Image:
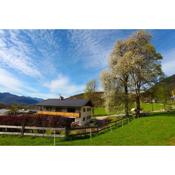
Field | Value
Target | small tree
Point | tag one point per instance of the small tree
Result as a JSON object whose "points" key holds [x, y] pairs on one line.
{"points": [[13, 109], [119, 76], [109, 91], [90, 91], [112, 92]]}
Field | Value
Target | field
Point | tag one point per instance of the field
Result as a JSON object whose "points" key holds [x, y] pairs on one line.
{"points": [[158, 129], [100, 111], [146, 107]]}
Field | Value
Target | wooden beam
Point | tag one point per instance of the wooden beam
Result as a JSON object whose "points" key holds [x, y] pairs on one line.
{"points": [[59, 114]]}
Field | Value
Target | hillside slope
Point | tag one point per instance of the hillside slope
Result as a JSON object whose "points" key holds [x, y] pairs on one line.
{"points": [[97, 101], [154, 130], [170, 81]]}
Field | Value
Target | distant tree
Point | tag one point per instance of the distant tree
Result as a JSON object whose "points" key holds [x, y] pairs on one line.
{"points": [[90, 90], [14, 108], [162, 93], [2, 106]]}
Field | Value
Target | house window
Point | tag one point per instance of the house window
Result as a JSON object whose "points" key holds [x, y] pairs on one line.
{"points": [[70, 110], [48, 108], [58, 110], [84, 109], [83, 118], [88, 109], [88, 117]]}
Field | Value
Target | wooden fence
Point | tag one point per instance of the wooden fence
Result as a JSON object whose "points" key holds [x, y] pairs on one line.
{"points": [[60, 132], [89, 131], [32, 131]]}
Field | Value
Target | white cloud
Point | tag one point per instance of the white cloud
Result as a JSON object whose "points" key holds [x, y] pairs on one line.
{"points": [[14, 54], [89, 48], [62, 85], [9, 83]]}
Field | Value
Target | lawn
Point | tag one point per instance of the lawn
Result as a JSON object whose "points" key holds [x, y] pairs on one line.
{"points": [[158, 129], [100, 111], [147, 107]]}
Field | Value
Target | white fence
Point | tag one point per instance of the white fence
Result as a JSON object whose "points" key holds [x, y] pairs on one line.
{"points": [[32, 131]]}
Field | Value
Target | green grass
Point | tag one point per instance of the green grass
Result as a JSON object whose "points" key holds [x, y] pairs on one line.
{"points": [[147, 107], [158, 129], [100, 111], [25, 141]]}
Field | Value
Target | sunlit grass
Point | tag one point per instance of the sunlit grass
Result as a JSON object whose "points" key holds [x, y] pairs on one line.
{"points": [[157, 129]]}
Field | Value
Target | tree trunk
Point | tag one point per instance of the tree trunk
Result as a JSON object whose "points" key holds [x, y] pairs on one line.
{"points": [[138, 105], [126, 101]]}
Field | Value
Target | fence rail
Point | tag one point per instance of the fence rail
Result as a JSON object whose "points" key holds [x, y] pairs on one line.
{"points": [[60, 132], [31, 131], [89, 131]]}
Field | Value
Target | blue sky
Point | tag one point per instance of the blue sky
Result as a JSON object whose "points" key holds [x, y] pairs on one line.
{"points": [[46, 63]]}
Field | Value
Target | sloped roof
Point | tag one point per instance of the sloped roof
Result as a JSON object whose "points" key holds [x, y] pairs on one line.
{"points": [[65, 103]]}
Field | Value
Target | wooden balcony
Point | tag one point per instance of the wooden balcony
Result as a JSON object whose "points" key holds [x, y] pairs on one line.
{"points": [[59, 114]]}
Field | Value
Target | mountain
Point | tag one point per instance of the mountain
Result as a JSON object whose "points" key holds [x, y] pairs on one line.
{"points": [[165, 87], [169, 81], [8, 98]]}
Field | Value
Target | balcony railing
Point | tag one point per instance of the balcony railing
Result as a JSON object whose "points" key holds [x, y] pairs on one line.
{"points": [[63, 114]]}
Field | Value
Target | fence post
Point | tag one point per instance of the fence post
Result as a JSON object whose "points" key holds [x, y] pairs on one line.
{"points": [[90, 133], [111, 127], [67, 132], [22, 129], [97, 131], [54, 137]]}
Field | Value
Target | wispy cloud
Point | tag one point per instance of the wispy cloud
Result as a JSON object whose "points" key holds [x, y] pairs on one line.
{"points": [[11, 83], [14, 54], [8, 82], [168, 63], [89, 48], [63, 85], [46, 44]]}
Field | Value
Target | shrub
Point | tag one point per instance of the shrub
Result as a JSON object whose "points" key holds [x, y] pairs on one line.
{"points": [[35, 120]]}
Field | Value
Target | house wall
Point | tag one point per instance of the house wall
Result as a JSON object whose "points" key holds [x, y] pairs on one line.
{"points": [[86, 114]]}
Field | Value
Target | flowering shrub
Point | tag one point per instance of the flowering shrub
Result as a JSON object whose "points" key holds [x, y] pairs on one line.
{"points": [[35, 120]]}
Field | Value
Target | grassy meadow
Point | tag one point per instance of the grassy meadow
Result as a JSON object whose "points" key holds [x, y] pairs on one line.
{"points": [[146, 107], [157, 129]]}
